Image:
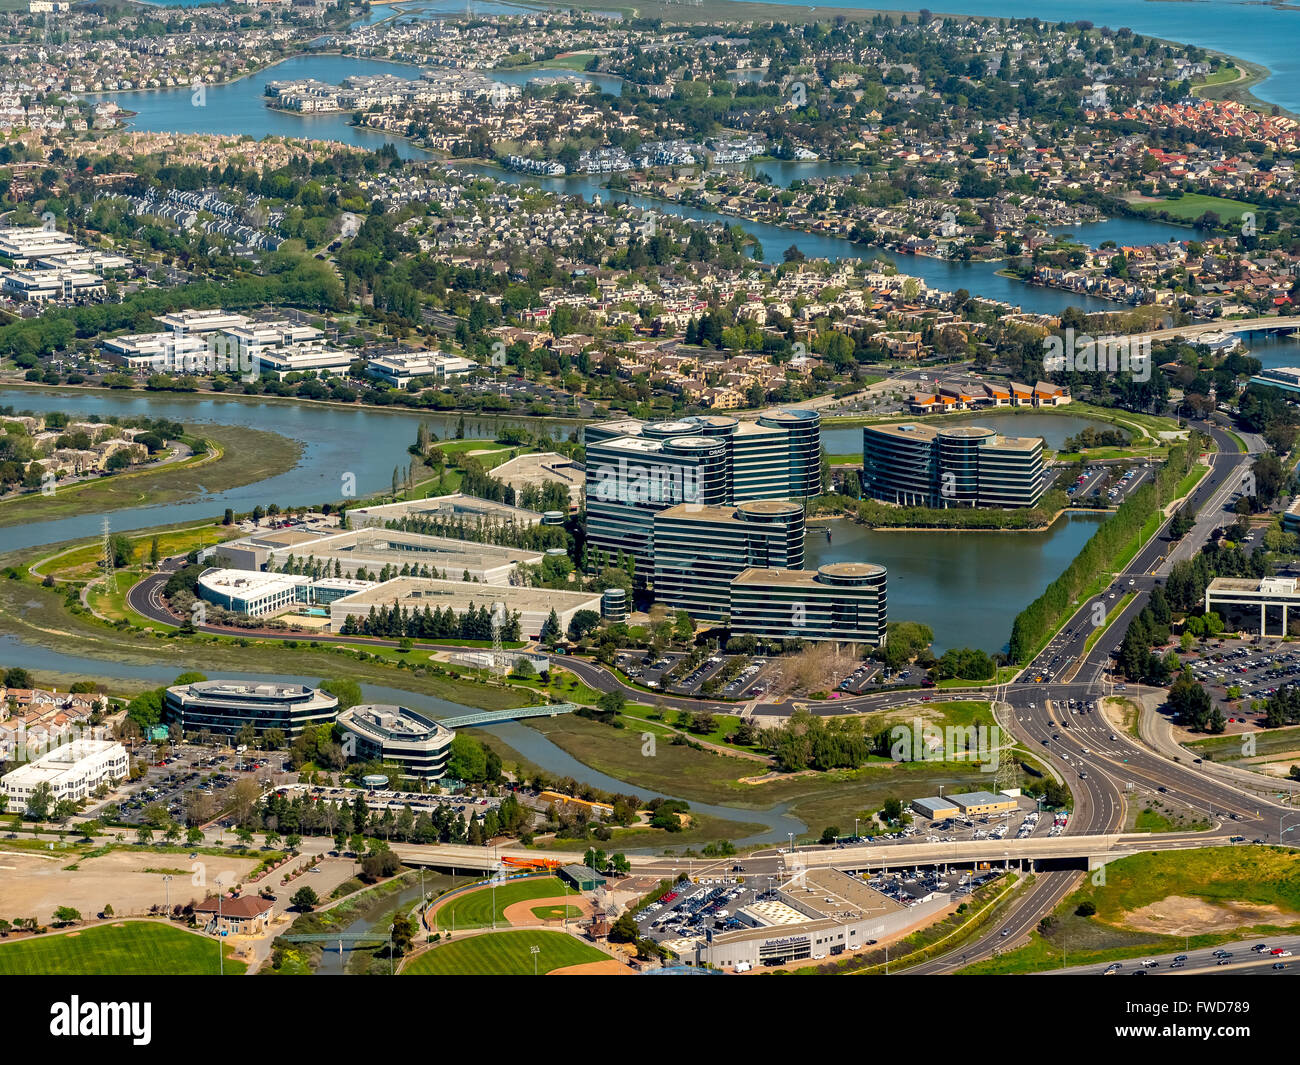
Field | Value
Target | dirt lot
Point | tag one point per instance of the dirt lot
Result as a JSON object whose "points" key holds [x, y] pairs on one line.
{"points": [[1179, 915], [34, 885]]}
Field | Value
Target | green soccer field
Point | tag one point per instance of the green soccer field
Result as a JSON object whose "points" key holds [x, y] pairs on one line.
{"points": [[475, 909], [504, 954], [136, 948]]}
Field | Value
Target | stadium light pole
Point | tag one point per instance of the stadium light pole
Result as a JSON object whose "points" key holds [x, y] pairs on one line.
{"points": [[534, 950]]}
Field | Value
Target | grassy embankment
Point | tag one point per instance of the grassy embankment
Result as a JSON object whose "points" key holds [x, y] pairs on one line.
{"points": [[1167, 901], [833, 797], [244, 456]]}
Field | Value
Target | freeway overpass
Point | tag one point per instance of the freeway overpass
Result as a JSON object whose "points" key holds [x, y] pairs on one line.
{"points": [[1273, 322], [1081, 851]]}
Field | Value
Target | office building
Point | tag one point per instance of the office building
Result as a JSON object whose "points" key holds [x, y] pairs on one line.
{"points": [[260, 595], [400, 736], [841, 601], [917, 465], [1283, 378], [635, 469], [415, 594], [225, 707], [400, 370], [699, 550], [72, 772], [1247, 605], [456, 507], [254, 594], [404, 554], [631, 478]]}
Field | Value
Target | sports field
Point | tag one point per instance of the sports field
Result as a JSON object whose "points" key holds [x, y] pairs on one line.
{"points": [[475, 909], [504, 954], [134, 948]]}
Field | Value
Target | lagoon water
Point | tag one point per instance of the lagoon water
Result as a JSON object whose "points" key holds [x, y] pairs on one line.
{"points": [[331, 438], [992, 576]]}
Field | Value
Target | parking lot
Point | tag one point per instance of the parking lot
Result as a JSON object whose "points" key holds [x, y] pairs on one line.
{"points": [[1255, 669], [187, 769], [693, 909], [1107, 486], [397, 800]]}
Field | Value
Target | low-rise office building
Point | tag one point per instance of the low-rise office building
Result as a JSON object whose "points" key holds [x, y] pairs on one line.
{"points": [[374, 550], [400, 370], [225, 707], [841, 601], [259, 595], [256, 594], [699, 550], [400, 736], [454, 507], [72, 772], [1264, 606], [414, 594], [912, 464]]}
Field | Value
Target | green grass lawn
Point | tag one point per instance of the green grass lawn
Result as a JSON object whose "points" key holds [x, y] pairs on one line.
{"points": [[137, 948], [1219, 875], [503, 954], [1193, 205], [474, 910]]}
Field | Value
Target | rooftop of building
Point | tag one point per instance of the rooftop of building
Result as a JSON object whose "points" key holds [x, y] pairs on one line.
{"points": [[390, 721], [61, 760], [419, 591], [835, 894], [727, 513], [796, 577], [395, 545], [243, 582], [455, 503], [1281, 586]]}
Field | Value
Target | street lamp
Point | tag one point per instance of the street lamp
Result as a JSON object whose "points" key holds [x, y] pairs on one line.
{"points": [[167, 886], [1281, 835]]}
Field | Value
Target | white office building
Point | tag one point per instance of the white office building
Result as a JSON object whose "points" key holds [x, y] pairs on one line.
{"points": [[397, 370], [72, 771]]}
